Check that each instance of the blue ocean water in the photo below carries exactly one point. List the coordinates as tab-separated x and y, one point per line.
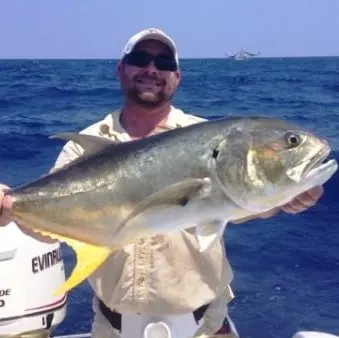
286	268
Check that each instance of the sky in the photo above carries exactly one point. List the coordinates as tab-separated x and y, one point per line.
201	29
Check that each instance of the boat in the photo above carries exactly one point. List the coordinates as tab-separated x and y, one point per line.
242	55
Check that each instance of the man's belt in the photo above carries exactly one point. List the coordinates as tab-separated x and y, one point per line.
114	317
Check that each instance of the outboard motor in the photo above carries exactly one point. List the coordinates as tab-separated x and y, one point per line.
30	271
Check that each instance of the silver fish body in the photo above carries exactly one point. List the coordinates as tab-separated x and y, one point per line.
201	176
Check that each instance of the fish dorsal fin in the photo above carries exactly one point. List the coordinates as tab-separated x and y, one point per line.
91	144
88	258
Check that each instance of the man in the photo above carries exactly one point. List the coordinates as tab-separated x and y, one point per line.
160	279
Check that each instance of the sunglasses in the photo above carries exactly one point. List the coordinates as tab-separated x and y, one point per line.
143	59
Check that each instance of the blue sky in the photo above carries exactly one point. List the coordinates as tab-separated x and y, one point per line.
100	28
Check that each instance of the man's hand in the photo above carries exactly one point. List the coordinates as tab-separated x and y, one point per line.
304	200
5	217
300	203
5	206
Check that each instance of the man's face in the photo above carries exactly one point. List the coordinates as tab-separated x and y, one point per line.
147	85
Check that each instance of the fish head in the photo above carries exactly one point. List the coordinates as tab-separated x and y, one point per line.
265	163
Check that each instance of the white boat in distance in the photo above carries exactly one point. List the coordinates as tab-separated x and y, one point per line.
242	55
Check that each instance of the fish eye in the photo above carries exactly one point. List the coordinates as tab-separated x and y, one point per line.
292	139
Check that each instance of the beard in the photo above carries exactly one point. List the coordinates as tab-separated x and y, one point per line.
152	97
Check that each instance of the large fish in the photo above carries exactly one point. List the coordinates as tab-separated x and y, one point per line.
198	177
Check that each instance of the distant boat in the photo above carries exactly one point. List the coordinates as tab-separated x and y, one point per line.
242	55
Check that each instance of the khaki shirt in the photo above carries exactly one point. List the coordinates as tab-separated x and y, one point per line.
161	274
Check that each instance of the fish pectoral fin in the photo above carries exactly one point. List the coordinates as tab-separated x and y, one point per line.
177	194
89	258
207	234
91	144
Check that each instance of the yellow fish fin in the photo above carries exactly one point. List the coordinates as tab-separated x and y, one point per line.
89	258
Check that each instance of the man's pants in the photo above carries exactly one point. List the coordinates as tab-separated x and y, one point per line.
132	326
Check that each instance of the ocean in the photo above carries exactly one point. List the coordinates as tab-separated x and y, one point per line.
286	268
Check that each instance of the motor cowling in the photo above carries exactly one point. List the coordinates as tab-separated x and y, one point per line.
30	271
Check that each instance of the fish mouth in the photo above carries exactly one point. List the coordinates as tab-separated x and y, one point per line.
319	160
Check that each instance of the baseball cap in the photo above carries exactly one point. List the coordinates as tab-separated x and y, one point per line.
151	34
